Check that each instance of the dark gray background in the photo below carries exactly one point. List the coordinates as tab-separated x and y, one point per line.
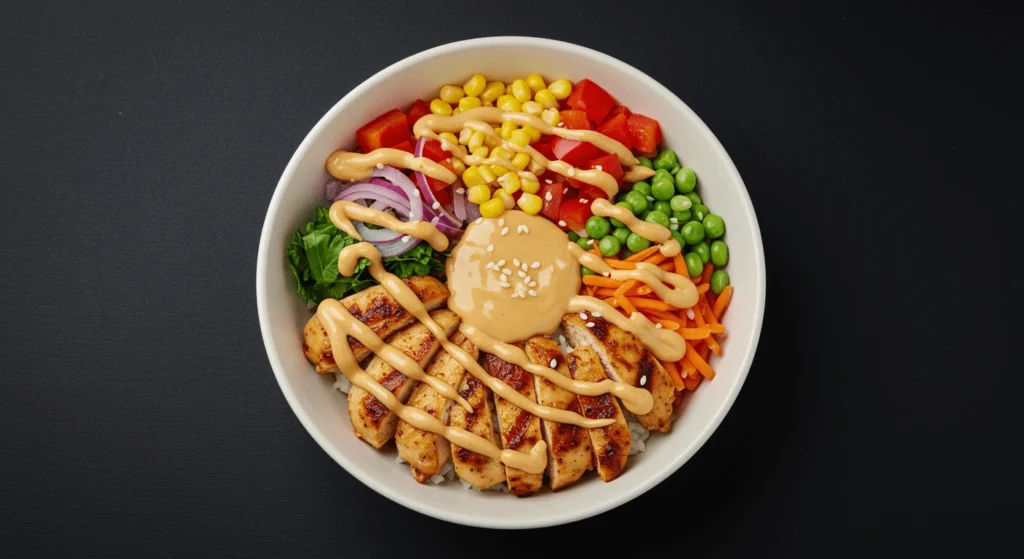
139	147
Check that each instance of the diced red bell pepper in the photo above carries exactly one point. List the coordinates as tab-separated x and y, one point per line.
645	132
432	151
608	163
574	152
616	110
590	97
574	214
617	128
444	196
437	185
405	145
419	110
575	120
389	129
545	147
552	196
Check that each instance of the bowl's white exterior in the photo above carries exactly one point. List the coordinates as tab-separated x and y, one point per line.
323	411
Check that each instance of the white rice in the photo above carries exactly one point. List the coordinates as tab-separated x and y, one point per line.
341	383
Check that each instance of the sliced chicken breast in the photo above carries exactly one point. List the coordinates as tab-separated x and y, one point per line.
427	453
569	453
520	429
372	420
625	359
611	444
376	308
476	469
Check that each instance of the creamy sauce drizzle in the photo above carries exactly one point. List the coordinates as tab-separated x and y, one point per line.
683	294
650	231
350	166
664	344
343	212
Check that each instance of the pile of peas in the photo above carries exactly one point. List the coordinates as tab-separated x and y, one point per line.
670	199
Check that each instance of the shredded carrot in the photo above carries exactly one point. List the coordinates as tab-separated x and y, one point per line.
702	350
638	257
663	315
620	264
716	328
626	286
703	288
656	259
687	367
692	382
698	333
699	362
666	324
673	374
723	302
643	303
590	290
706	308
667	266
641	290
705	277
601	281
627	306
680	264
697	316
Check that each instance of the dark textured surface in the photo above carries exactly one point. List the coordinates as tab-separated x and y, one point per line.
140	145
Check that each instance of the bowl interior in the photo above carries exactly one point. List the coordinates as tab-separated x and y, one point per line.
322	410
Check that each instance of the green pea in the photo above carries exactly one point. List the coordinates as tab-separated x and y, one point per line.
679	238
609	246
686	180
719	253
657	217
682	217
584	271
693	232
694	265
643	215
617	223
674	170
694	197
621	233
642	187
663	207
700	211
598	227
666	160
637	202
719	280
662	188
573	236
714	225
644	162
680	203
663	173
636	243
703	251
584	242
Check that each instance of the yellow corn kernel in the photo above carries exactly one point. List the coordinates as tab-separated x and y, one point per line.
467	103
486	173
508	89
471	176
520	138
475	86
439	107
509	103
532	132
501	152
492	208
475	140
510	183
530	185
457	165
497	130
464	136
488	103
492	92
530	203
521	160
457	111
505	197
546	98
560	88
490	142
479	194
533	108
480	151
499	171
551	116
521	91
506	129
536	82
449	137
452	93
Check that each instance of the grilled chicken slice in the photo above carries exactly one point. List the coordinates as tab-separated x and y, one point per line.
427	453
520	429
372	420
611	444
476	469
625	359
568	445
376	308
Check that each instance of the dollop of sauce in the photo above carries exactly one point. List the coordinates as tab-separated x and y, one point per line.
512	277
650	231
351	166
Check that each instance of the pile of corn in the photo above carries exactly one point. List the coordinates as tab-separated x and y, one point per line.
531	96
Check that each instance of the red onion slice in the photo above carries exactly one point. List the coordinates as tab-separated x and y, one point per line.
397	178
460	204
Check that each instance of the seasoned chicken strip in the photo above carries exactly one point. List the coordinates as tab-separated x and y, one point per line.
425	452
376	308
520	429
611	444
625	359
372	420
476	469
568	445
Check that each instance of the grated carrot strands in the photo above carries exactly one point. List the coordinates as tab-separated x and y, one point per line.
723	302
638	257
673	373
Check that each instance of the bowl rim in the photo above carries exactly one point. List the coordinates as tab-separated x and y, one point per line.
458	517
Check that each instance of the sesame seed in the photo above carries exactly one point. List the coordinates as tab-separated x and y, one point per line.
515	262
526	229
554	363
684	374
380	165
572	172
596	314
502	278
673	220
532	293
547	181
524	266
598	167
561	124
522	274
535	265
650	198
583	200
689	314
533	284
406	238
590	325
490	248
435	205
526	278
607	274
516	294
547	196
505	284
657	325
501	262
590	241
583	315
501	222
643	380
565	190
561	339
460	190
416	193
504	231
673	226
561	223
489	266
507	272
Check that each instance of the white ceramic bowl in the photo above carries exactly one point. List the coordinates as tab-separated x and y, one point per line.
323	411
